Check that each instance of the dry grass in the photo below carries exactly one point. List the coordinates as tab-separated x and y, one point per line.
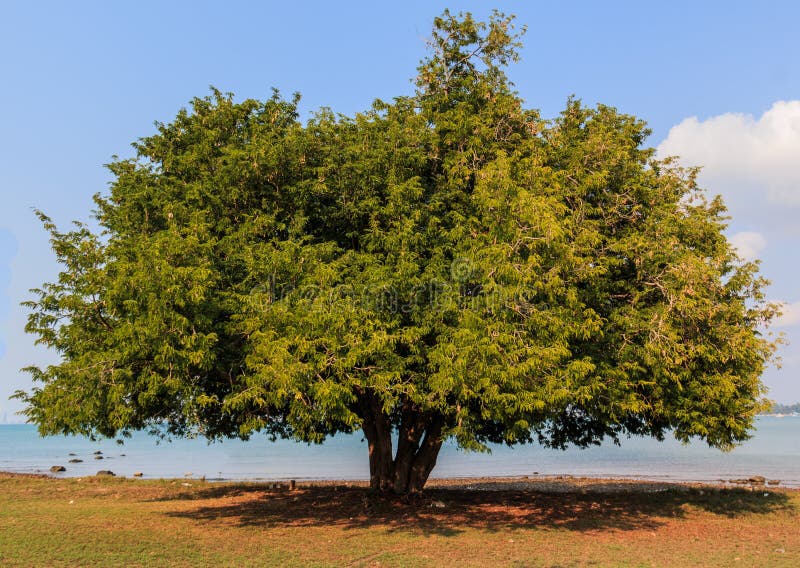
105	522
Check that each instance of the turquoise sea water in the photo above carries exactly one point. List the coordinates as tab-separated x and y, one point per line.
773	452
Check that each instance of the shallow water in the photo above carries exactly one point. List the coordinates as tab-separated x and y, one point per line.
773	452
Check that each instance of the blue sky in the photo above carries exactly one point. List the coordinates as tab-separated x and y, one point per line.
717	81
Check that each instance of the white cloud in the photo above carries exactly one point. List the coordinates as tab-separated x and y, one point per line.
748	244
790	315
744	158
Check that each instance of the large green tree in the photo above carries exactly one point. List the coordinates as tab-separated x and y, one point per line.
447	265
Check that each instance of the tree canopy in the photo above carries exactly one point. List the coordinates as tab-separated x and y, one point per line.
447	265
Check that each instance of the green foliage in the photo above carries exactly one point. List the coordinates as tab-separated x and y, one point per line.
447	263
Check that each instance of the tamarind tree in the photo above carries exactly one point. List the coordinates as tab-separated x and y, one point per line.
447	265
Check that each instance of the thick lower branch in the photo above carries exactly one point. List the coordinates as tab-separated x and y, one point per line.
425	459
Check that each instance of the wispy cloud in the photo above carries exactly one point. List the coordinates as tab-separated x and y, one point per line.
748	244
790	315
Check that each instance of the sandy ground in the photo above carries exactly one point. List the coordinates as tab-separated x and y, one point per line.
562	484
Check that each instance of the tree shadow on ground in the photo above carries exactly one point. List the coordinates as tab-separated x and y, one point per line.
449	511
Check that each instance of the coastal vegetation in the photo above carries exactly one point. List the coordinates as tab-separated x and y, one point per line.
445	265
785	408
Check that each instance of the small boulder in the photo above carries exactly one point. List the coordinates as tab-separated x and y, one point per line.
72	454
98	457
105	473
57	468
75	460
757	480
774	482
98	453
137	474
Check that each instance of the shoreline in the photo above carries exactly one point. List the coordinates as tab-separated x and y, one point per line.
539	484
597	484
565	484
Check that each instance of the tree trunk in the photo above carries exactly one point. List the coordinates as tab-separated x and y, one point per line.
418	443
378	432
412	428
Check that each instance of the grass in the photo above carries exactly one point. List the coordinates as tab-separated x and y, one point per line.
110	522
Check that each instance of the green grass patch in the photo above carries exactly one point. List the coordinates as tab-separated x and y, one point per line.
105	522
